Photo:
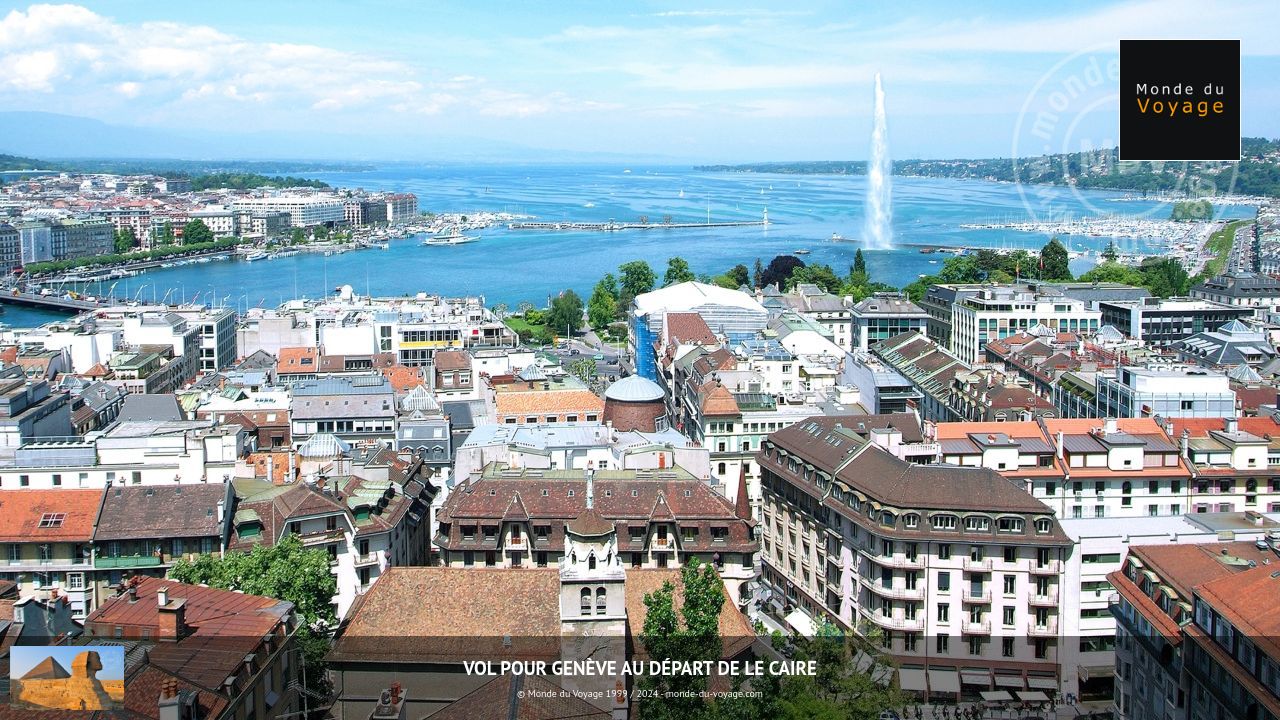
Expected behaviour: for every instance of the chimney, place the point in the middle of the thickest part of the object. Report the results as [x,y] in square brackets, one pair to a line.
[173,704]
[1185,443]
[172,620]
[391,704]
[591,485]
[1058,450]
[1232,424]
[222,510]
[1110,426]
[133,594]
[162,595]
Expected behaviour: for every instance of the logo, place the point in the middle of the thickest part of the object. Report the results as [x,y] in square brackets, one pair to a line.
[1180,100]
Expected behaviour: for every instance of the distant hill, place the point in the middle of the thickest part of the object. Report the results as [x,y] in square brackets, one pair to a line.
[16,162]
[1259,170]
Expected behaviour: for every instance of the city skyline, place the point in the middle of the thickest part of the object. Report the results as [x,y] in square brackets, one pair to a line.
[708,82]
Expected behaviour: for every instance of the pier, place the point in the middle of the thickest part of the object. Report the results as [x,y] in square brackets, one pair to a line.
[612,226]
[51,302]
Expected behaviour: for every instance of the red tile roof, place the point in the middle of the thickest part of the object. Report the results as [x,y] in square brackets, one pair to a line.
[60,515]
[298,360]
[1200,427]
[685,328]
[452,360]
[402,378]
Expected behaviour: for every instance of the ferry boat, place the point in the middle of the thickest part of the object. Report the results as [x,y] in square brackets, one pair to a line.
[836,237]
[452,238]
[802,252]
[255,255]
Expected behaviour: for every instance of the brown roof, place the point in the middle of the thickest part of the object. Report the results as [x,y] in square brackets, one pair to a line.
[688,328]
[143,689]
[60,514]
[297,360]
[452,360]
[717,400]
[736,633]
[520,697]
[402,378]
[589,524]
[1248,600]
[548,402]
[160,512]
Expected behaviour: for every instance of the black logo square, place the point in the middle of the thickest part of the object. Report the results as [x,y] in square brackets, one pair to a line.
[1179,99]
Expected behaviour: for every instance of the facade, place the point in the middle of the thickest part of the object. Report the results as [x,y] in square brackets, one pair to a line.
[929,367]
[222,222]
[882,316]
[1260,293]
[401,207]
[880,388]
[65,239]
[517,517]
[1164,390]
[829,311]
[352,408]
[1164,321]
[30,410]
[48,543]
[958,568]
[10,248]
[1235,463]
[304,210]
[997,312]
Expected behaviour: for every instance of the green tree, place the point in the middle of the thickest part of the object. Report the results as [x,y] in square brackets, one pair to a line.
[739,275]
[697,638]
[196,232]
[757,274]
[1054,261]
[1165,277]
[859,262]
[297,236]
[584,368]
[821,275]
[779,271]
[1111,254]
[125,241]
[565,313]
[852,678]
[286,571]
[321,232]
[637,278]
[677,272]
[166,235]
[602,308]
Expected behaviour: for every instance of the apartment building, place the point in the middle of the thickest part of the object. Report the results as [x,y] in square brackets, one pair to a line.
[304,210]
[1235,463]
[1255,291]
[882,316]
[517,517]
[48,543]
[813,303]
[401,207]
[1164,390]
[10,248]
[352,408]
[1163,321]
[930,368]
[1195,629]
[958,568]
[996,312]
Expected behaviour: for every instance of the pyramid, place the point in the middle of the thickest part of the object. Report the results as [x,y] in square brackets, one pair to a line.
[47,669]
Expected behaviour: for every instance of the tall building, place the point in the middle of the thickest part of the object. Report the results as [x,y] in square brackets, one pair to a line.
[958,568]
[996,312]
[1163,390]
[882,316]
[401,207]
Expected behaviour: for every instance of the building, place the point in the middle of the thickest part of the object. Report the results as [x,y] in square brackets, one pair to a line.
[1260,293]
[1164,390]
[133,216]
[206,653]
[1164,321]
[1235,463]
[264,223]
[451,374]
[222,222]
[929,367]
[531,397]
[880,388]
[1229,346]
[828,310]
[635,403]
[65,239]
[10,248]
[401,207]
[304,210]
[48,543]
[724,311]
[1195,629]
[958,568]
[996,312]
[352,408]
[517,516]
[882,316]
[30,410]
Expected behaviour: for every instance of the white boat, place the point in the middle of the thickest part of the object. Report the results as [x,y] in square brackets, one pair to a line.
[802,252]
[589,205]
[452,238]
[836,237]
[255,255]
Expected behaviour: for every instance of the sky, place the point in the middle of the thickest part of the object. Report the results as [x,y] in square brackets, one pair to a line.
[730,81]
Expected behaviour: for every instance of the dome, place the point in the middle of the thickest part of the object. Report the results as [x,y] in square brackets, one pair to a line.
[323,445]
[634,389]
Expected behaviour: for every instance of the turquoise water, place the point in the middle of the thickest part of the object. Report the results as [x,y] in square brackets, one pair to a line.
[513,265]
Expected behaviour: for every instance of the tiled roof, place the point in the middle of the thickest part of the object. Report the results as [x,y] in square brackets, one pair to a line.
[688,328]
[60,514]
[160,512]
[297,360]
[717,400]
[452,360]
[550,402]
[402,378]
[736,633]
[1248,601]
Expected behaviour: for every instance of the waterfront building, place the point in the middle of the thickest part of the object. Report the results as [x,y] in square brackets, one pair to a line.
[304,210]
[202,652]
[10,248]
[514,517]
[957,568]
[1194,632]
[996,312]
[1260,293]
[1165,321]
[401,207]
[882,316]
[65,238]
[264,223]
[1230,346]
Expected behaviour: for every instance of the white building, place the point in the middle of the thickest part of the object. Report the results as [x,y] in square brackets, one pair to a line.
[997,312]
[1164,390]
[304,210]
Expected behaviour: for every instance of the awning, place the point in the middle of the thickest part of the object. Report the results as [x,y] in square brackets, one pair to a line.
[944,681]
[1095,671]
[1014,681]
[1044,683]
[1033,696]
[976,677]
[801,623]
[911,679]
[996,696]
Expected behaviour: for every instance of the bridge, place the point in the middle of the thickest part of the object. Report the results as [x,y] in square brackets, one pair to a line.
[51,302]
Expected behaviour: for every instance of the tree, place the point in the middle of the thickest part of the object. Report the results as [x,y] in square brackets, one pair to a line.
[821,275]
[602,308]
[637,278]
[196,232]
[677,272]
[125,241]
[859,262]
[565,313]
[1054,261]
[757,274]
[1165,277]
[523,308]
[321,232]
[297,236]
[739,275]
[696,639]
[501,310]
[584,368]
[1113,272]
[286,571]
[852,678]
[1110,254]
[166,235]
[779,271]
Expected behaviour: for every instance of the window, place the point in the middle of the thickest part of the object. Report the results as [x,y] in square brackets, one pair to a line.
[601,603]
[944,613]
[1010,554]
[585,602]
[490,558]
[1006,646]
[1011,525]
[24,481]
[57,480]
[944,581]
[51,520]
[541,559]
[1008,617]
[944,551]
[1010,584]
[941,644]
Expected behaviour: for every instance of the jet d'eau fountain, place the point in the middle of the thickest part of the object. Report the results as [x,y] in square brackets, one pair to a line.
[877,232]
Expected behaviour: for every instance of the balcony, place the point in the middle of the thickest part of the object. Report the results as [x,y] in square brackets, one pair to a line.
[972,565]
[368,559]
[897,623]
[50,564]
[1048,628]
[895,593]
[982,627]
[893,561]
[663,544]
[977,596]
[1052,567]
[1043,600]
[517,543]
[324,537]
[128,561]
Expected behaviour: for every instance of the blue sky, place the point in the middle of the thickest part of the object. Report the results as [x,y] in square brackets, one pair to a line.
[687,80]
[23,658]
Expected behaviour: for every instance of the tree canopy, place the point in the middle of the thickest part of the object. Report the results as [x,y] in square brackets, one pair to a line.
[565,313]
[677,272]
[196,232]
[602,308]
[779,271]
[1054,261]
[637,278]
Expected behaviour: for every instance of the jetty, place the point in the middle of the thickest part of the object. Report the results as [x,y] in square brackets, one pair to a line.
[614,226]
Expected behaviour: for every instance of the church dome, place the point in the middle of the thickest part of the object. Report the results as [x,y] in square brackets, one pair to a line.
[634,389]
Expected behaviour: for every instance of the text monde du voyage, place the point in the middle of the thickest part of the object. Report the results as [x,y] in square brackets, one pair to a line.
[1181,99]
